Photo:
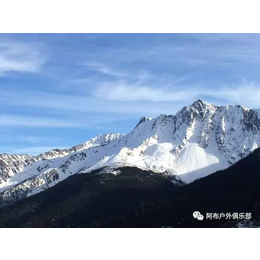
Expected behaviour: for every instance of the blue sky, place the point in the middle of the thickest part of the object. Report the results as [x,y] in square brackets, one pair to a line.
[58,90]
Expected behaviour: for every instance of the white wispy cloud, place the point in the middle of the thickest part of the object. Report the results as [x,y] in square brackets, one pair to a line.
[20,57]
[30,121]
[6,137]
[73,119]
[31,150]
[247,94]
[199,50]
[106,70]
[83,104]
[125,100]
[122,91]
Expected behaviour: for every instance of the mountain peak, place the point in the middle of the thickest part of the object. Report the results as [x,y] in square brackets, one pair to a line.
[200,103]
[142,120]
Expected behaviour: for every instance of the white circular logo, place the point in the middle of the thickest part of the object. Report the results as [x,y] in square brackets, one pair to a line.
[197,215]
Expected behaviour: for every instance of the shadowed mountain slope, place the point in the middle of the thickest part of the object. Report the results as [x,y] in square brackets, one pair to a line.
[131,197]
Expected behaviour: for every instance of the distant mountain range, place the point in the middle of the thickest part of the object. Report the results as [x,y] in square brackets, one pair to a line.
[200,139]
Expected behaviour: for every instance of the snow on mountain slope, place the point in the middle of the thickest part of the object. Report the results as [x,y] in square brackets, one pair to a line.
[17,168]
[197,141]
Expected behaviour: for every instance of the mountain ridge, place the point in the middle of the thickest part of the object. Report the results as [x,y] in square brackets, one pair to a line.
[200,139]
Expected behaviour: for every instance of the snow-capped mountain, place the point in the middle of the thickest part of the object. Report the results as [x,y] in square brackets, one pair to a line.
[199,140]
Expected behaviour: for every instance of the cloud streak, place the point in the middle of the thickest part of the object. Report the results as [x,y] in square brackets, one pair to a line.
[19,57]
[83,104]
[126,100]
[51,122]
[122,91]
[106,70]
[247,94]
[29,121]
[31,150]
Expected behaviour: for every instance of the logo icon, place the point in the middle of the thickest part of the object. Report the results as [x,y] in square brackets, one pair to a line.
[197,215]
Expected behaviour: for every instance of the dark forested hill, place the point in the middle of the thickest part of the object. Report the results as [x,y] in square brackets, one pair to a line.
[130,197]
[85,200]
